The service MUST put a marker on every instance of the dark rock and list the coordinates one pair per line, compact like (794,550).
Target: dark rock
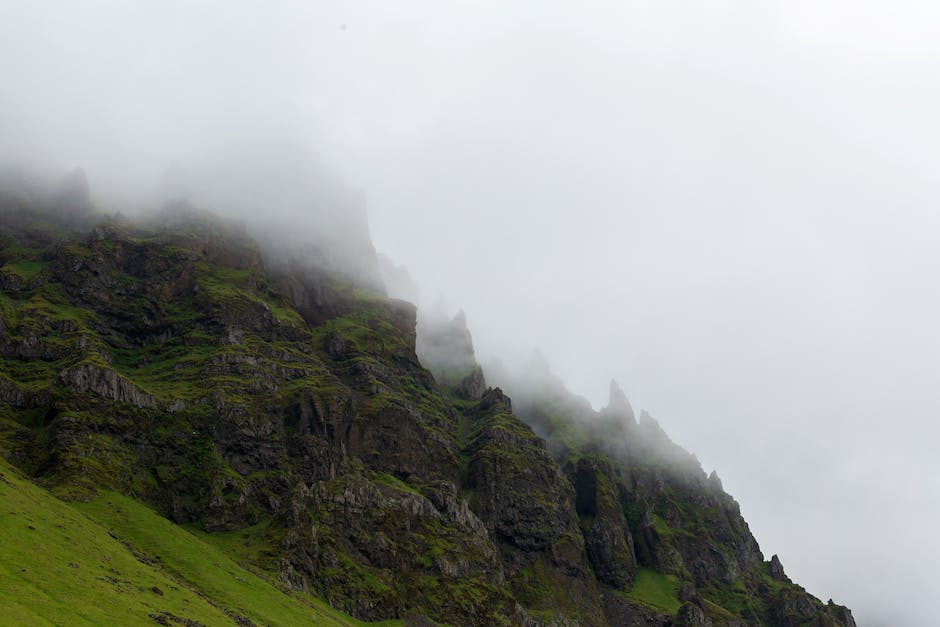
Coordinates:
(607,537)
(527,504)
(691,615)
(776,570)
(714,483)
(688,592)
(473,386)
(841,613)
(335,345)
(623,612)
(106,383)
(495,400)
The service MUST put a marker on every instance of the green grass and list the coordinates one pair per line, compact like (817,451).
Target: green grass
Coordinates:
(716,613)
(733,597)
(198,563)
(661,526)
(256,545)
(655,590)
(393,482)
(59,567)
(221,282)
(114,561)
(285,313)
(25,269)
(244,288)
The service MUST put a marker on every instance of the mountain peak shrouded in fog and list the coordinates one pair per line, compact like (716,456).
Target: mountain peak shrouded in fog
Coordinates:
(445,347)
(715,481)
(290,200)
(618,406)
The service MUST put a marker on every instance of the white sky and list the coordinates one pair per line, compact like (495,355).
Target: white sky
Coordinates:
(729,207)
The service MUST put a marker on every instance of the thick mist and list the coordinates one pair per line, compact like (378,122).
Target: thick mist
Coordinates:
(727,207)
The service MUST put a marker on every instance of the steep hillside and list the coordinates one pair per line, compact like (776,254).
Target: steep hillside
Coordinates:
(114,561)
(280,415)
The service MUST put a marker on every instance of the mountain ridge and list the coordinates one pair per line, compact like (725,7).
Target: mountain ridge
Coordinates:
(166,361)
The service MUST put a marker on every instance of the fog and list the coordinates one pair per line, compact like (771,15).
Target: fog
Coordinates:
(728,207)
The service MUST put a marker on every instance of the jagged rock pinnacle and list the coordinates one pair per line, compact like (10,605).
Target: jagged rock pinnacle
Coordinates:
(714,482)
(618,405)
(472,387)
(776,569)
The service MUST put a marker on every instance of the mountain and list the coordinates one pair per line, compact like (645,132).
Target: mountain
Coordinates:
(199,432)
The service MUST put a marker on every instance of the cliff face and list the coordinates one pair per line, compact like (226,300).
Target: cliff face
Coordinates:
(166,362)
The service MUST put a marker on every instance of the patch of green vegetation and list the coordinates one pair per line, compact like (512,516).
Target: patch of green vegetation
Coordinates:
(546,593)
(443,596)
(393,482)
(733,597)
(355,581)
(661,526)
(763,573)
(257,546)
(19,432)
(44,308)
(285,314)
(221,283)
(655,590)
(31,375)
(716,613)
(11,250)
(25,269)
(91,461)
(693,519)
(194,562)
(359,335)
(236,293)
(169,371)
(59,567)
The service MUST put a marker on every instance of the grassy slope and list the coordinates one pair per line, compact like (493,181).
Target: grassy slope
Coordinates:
(60,563)
(655,590)
(58,567)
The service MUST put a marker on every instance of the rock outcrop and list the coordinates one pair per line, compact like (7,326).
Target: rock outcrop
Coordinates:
(445,346)
(88,377)
(776,570)
(618,407)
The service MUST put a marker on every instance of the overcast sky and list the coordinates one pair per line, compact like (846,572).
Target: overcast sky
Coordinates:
(729,207)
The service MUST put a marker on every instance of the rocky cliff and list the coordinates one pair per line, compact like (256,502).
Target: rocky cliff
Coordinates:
(166,360)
